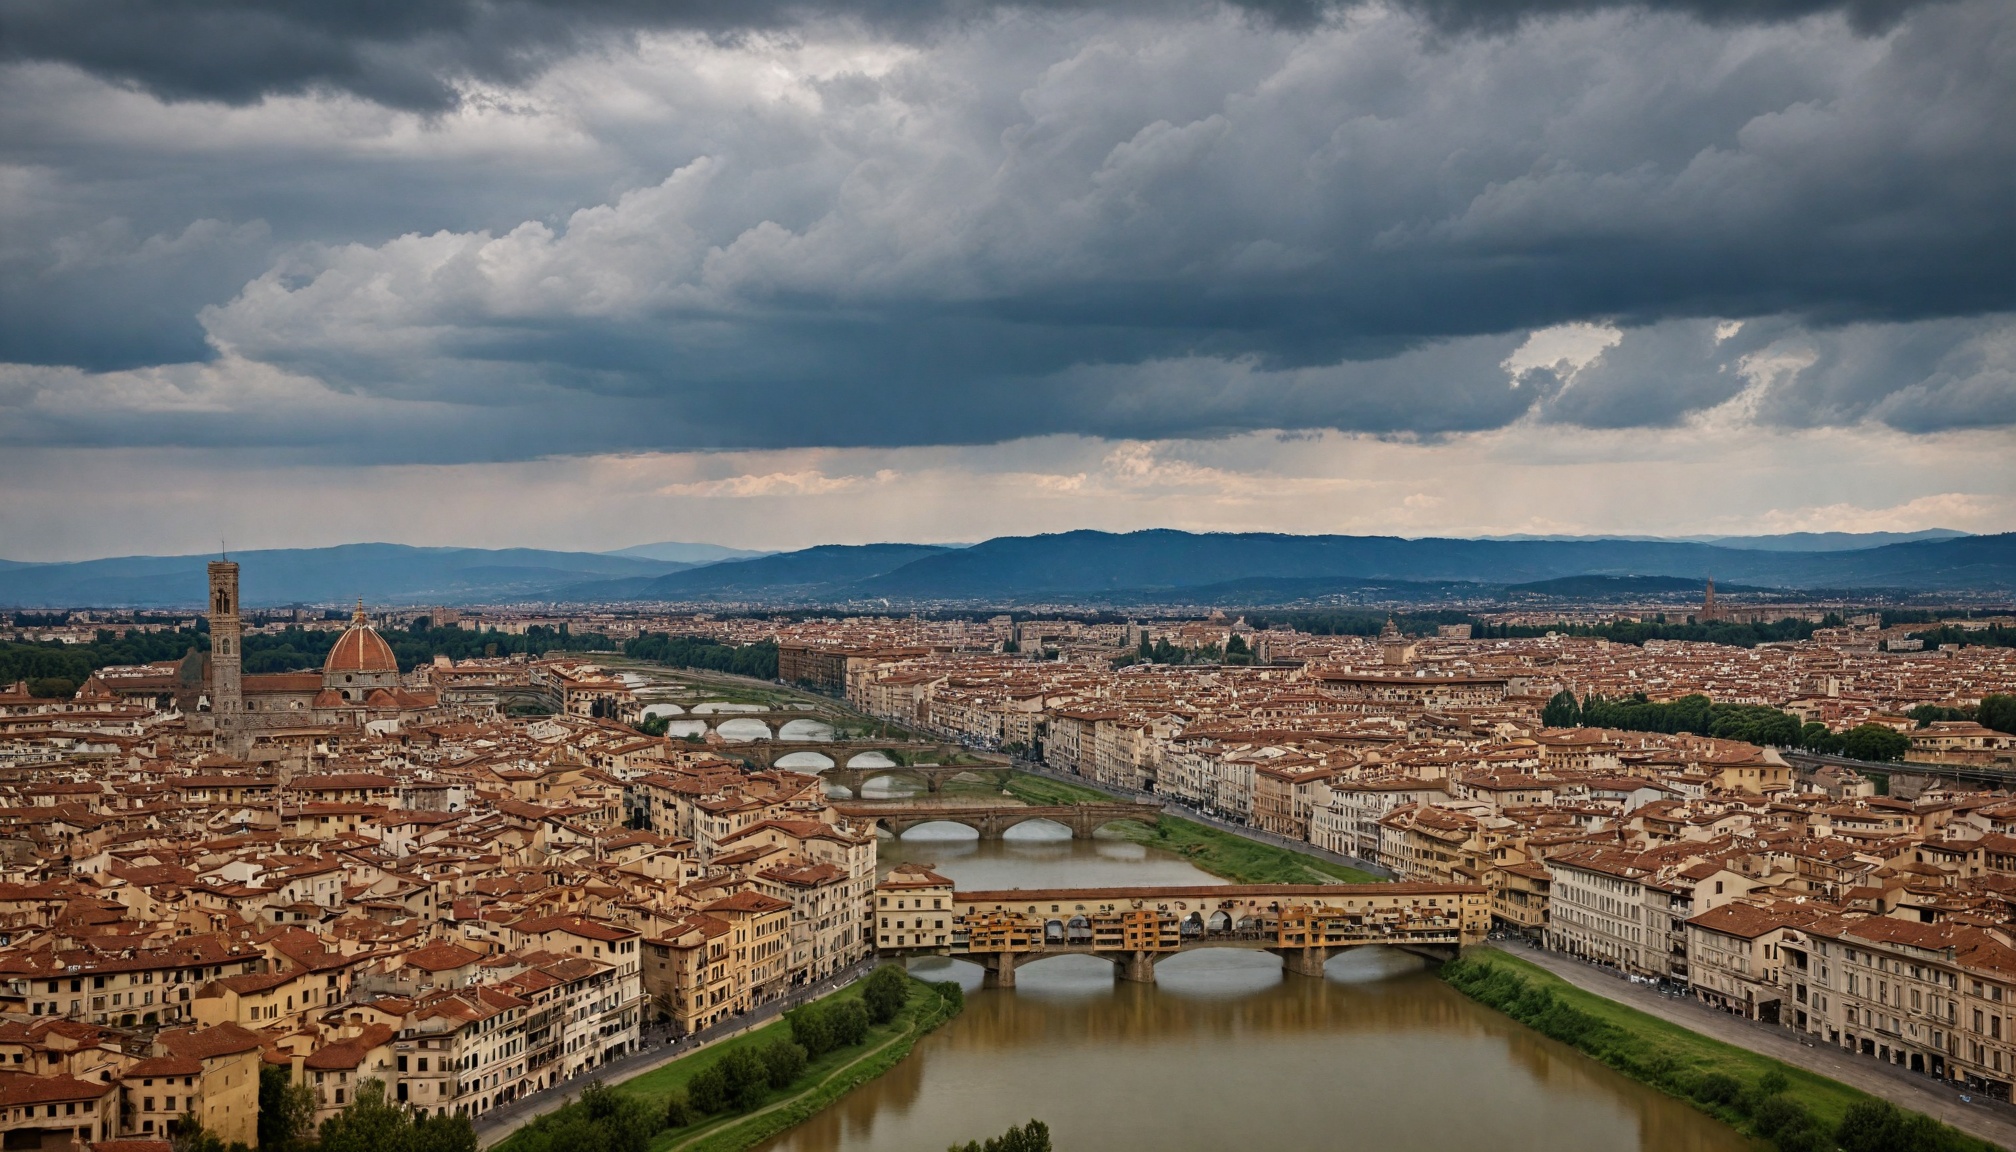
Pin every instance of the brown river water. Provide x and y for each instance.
(1226, 1051)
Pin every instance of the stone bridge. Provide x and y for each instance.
(845, 773)
(1136, 928)
(772, 719)
(991, 820)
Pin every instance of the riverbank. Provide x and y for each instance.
(1227, 855)
(824, 1081)
(1750, 1090)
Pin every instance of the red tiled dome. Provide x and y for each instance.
(361, 649)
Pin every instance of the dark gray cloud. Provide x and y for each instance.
(1121, 223)
(414, 53)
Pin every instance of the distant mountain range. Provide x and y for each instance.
(1783, 542)
(1156, 566)
(683, 553)
(380, 573)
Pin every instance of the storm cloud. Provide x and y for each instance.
(491, 232)
(415, 54)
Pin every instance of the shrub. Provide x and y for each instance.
(950, 992)
(679, 1110)
(1718, 1088)
(1776, 1115)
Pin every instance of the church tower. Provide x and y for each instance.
(227, 696)
(1708, 609)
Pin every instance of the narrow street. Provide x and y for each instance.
(1989, 1120)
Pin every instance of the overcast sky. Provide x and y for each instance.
(590, 274)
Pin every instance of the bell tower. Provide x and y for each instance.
(227, 696)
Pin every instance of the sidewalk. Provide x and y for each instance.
(1256, 835)
(1990, 1120)
(498, 1123)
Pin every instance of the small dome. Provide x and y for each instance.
(361, 649)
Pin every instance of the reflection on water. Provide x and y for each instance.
(1226, 1051)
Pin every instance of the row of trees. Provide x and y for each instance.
(1031, 1137)
(1637, 632)
(53, 669)
(758, 660)
(293, 649)
(1994, 636)
(1700, 716)
(1235, 651)
(1995, 711)
(370, 1123)
(741, 1079)
(1766, 1106)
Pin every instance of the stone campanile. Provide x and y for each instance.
(227, 696)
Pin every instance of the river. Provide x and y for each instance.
(1226, 1051)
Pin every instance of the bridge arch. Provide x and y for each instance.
(814, 762)
(742, 729)
(941, 829)
(805, 729)
(1044, 827)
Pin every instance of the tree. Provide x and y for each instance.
(1031, 1137)
(1880, 1126)
(1562, 711)
(709, 1091)
(371, 1123)
(812, 1029)
(286, 1110)
(190, 1136)
(785, 1061)
(442, 1133)
(1817, 737)
(1874, 742)
(1997, 712)
(850, 1023)
(886, 991)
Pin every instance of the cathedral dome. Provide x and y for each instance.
(361, 649)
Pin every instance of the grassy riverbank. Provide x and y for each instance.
(1235, 858)
(824, 1080)
(1796, 1109)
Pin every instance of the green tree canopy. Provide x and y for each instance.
(1031, 1137)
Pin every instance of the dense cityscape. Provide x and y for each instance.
(1007, 576)
(470, 882)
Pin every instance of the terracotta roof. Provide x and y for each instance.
(360, 649)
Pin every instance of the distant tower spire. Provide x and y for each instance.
(1708, 609)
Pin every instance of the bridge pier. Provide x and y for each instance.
(1000, 970)
(1137, 967)
(1304, 961)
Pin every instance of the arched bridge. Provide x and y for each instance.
(991, 820)
(772, 719)
(917, 913)
(849, 774)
